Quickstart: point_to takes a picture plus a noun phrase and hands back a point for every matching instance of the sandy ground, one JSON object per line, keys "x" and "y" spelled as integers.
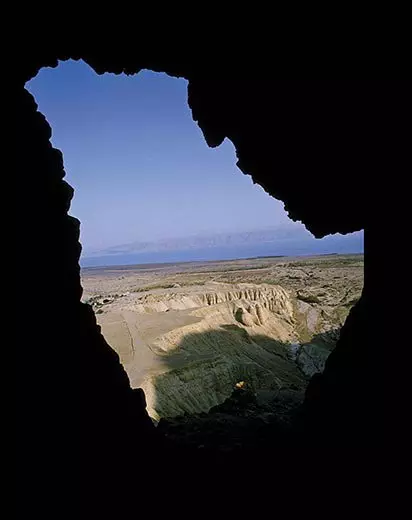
{"x": 131, "y": 335}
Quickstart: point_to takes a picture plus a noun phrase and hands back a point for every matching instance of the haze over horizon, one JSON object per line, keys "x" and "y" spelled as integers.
{"x": 143, "y": 174}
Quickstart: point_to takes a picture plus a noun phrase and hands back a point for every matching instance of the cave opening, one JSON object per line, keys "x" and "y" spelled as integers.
{"x": 181, "y": 347}
{"x": 84, "y": 446}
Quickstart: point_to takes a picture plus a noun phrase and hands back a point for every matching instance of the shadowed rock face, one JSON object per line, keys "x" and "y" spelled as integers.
{"x": 306, "y": 143}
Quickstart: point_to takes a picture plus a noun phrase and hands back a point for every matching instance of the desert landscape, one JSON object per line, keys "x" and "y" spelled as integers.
{"x": 191, "y": 333}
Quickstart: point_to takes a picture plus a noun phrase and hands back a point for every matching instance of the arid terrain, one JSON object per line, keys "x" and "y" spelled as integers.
{"x": 189, "y": 333}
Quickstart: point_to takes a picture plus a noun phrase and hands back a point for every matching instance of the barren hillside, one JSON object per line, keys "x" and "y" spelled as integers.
{"x": 189, "y": 333}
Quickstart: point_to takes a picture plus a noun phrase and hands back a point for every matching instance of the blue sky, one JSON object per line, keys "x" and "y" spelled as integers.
{"x": 139, "y": 164}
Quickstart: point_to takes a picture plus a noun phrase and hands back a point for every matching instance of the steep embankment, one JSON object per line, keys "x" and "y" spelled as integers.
{"x": 188, "y": 348}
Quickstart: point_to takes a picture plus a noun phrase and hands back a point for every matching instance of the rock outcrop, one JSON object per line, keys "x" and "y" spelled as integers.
{"x": 273, "y": 298}
{"x": 311, "y": 359}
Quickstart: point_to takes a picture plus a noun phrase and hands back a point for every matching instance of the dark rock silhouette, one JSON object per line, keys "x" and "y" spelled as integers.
{"x": 83, "y": 436}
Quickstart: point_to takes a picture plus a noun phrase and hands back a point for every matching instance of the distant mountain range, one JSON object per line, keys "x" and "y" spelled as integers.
{"x": 224, "y": 246}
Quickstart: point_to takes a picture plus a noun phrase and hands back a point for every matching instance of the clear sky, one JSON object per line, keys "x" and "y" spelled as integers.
{"x": 139, "y": 164}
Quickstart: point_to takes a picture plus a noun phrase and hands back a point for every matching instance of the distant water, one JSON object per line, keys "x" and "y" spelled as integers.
{"x": 332, "y": 244}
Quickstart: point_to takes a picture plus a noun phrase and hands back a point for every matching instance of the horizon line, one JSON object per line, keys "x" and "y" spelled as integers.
{"x": 219, "y": 260}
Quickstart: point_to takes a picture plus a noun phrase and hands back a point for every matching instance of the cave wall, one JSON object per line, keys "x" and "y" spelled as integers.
{"x": 311, "y": 144}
